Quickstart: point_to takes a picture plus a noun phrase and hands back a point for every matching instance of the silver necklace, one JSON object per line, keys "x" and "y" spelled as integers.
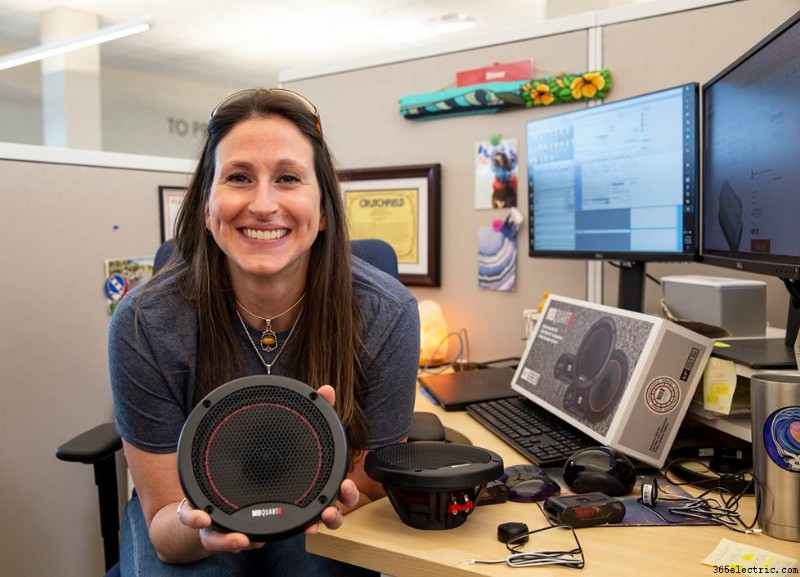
{"x": 255, "y": 347}
{"x": 269, "y": 340}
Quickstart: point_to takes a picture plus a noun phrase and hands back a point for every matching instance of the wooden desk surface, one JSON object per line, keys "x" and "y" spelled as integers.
{"x": 375, "y": 537}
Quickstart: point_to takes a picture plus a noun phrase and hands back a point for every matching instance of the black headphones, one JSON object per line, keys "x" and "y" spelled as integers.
{"x": 600, "y": 469}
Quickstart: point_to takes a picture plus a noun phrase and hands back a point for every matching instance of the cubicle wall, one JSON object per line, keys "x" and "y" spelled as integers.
{"x": 360, "y": 112}
{"x": 61, "y": 220}
{"x": 59, "y": 223}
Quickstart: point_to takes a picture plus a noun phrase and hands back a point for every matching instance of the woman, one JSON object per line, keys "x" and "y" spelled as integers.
{"x": 262, "y": 282}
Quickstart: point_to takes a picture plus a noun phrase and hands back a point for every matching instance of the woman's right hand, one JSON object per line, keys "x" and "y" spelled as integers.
{"x": 211, "y": 538}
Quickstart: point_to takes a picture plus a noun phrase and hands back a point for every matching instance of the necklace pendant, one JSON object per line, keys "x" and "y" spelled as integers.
{"x": 269, "y": 341}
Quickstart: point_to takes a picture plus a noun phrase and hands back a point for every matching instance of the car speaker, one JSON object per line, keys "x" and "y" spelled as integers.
{"x": 262, "y": 455}
{"x": 433, "y": 484}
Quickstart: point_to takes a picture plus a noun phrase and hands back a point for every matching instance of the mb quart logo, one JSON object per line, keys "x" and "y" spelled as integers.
{"x": 267, "y": 512}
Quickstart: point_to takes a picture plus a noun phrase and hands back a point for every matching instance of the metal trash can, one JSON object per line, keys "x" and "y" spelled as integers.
{"x": 775, "y": 406}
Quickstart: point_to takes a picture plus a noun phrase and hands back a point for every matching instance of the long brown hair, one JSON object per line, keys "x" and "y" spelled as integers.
{"x": 330, "y": 325}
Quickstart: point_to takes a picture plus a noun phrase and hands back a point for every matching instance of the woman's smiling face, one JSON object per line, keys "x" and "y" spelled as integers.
{"x": 264, "y": 209}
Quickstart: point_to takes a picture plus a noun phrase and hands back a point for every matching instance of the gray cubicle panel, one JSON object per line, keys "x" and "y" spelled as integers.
{"x": 59, "y": 223}
{"x": 361, "y": 116}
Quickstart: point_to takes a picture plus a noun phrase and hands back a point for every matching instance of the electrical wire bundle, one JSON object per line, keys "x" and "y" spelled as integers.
{"x": 717, "y": 506}
{"x": 461, "y": 360}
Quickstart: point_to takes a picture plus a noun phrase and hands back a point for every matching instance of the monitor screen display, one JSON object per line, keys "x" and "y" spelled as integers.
{"x": 751, "y": 159}
{"x": 617, "y": 181}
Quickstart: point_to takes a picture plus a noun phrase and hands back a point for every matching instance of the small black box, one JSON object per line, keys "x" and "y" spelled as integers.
{"x": 584, "y": 510}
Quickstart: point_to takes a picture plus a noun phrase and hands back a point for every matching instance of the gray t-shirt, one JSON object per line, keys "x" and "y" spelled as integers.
{"x": 153, "y": 368}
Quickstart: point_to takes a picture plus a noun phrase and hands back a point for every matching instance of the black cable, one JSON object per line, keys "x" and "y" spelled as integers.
{"x": 572, "y": 558}
{"x": 647, "y": 274}
{"x": 720, "y": 509}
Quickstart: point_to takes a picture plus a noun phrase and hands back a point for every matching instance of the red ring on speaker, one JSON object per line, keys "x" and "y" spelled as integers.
{"x": 263, "y": 455}
{"x": 300, "y": 417}
{"x": 604, "y": 394}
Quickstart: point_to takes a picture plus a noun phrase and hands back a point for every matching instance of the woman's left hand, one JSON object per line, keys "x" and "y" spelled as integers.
{"x": 349, "y": 496}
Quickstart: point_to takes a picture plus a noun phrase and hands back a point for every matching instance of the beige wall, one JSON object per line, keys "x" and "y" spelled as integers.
{"x": 361, "y": 116}
{"x": 59, "y": 223}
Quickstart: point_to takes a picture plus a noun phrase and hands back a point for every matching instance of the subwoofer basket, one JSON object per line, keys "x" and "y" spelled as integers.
{"x": 432, "y": 484}
{"x": 263, "y": 455}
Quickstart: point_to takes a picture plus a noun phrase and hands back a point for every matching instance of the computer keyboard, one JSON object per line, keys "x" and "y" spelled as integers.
{"x": 543, "y": 438}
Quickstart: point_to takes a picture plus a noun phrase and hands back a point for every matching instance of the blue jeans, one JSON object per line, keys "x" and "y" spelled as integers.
{"x": 286, "y": 558}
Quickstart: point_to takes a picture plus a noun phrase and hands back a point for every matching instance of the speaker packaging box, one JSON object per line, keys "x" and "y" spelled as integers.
{"x": 737, "y": 305}
{"x": 626, "y": 379}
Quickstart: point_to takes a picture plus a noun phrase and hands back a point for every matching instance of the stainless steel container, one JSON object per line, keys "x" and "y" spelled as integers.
{"x": 775, "y": 405}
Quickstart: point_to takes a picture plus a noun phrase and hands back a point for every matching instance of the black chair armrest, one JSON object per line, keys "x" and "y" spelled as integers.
{"x": 98, "y": 447}
{"x": 91, "y": 446}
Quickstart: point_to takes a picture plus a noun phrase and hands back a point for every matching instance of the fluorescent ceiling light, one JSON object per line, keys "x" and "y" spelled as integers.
{"x": 417, "y": 31}
{"x": 452, "y": 23}
{"x": 82, "y": 41}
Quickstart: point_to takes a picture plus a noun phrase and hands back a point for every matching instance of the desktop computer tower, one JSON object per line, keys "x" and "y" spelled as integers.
{"x": 737, "y": 305}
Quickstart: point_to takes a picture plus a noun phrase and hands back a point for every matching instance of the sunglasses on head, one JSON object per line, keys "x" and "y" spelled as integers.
{"x": 302, "y": 100}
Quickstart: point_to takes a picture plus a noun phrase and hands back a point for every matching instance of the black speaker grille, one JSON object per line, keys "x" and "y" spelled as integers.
{"x": 431, "y": 456}
{"x": 262, "y": 444}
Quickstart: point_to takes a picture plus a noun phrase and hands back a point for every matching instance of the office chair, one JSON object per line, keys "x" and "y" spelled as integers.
{"x": 99, "y": 446}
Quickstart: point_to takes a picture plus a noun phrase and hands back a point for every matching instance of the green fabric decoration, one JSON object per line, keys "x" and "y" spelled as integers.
{"x": 497, "y": 96}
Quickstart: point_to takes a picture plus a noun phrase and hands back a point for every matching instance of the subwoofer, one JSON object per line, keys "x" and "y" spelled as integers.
{"x": 433, "y": 484}
{"x": 262, "y": 455}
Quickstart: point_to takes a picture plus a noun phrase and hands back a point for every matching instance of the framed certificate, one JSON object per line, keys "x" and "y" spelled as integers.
{"x": 400, "y": 205}
{"x": 170, "y": 198}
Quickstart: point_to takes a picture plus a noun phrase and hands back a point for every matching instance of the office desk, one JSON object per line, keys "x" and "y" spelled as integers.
{"x": 375, "y": 537}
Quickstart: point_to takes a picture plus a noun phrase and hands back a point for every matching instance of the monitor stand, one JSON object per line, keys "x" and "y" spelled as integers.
{"x": 630, "y": 293}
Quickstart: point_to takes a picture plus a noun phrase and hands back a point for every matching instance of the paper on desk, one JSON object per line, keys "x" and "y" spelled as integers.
{"x": 719, "y": 384}
{"x": 730, "y": 553}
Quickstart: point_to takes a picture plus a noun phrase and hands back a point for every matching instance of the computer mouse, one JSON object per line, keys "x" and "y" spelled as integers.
{"x": 532, "y": 490}
{"x": 600, "y": 469}
{"x": 528, "y": 483}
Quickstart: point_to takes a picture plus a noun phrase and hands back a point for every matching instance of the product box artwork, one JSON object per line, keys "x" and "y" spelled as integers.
{"x": 626, "y": 379}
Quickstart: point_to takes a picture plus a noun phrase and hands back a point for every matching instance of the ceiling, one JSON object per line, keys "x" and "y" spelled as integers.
{"x": 241, "y": 41}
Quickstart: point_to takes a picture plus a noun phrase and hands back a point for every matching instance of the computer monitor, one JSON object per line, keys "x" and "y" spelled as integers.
{"x": 617, "y": 181}
{"x": 751, "y": 175}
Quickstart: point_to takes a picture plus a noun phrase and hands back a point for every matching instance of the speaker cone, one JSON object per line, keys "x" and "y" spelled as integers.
{"x": 263, "y": 455}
